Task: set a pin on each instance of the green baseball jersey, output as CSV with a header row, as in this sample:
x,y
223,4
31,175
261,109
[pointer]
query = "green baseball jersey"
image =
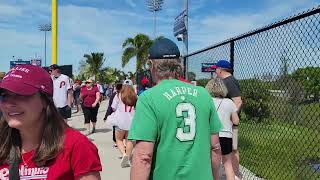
x,y
179,118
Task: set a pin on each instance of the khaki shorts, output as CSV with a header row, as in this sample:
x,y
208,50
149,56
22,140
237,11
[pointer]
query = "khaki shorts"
x,y
235,134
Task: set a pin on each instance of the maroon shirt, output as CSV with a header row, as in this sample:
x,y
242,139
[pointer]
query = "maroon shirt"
x,y
88,96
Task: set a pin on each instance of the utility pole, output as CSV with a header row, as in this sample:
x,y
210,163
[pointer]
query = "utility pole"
x,y
54,31
186,36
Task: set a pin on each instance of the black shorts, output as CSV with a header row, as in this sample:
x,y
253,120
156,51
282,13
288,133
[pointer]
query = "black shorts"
x,y
90,114
226,145
65,112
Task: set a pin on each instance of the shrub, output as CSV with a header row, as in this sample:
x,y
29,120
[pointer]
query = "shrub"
x,y
255,95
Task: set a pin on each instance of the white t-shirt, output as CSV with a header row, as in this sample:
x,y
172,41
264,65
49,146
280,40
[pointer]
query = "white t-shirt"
x,y
123,114
61,85
225,107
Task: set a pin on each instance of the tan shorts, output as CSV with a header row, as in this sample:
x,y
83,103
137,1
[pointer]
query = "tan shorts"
x,y
235,134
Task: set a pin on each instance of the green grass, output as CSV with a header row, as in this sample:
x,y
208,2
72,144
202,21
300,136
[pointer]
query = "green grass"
x,y
279,150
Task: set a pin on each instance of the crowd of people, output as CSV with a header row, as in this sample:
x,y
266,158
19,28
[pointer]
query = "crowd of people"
x,y
173,130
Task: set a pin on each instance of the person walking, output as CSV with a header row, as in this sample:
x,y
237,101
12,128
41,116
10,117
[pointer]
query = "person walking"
x,y
227,112
110,110
90,97
144,85
224,70
36,142
62,92
76,94
175,124
123,106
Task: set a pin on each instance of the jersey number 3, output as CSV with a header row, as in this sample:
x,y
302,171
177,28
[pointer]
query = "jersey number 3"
x,y
189,120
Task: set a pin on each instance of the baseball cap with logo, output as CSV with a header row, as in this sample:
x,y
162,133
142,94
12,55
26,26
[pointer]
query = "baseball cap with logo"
x,y
164,48
27,80
224,64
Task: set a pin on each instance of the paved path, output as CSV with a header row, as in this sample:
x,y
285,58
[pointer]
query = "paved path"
x,y
109,156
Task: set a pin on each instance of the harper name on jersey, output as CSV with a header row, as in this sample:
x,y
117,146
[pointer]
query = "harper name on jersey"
x,y
180,91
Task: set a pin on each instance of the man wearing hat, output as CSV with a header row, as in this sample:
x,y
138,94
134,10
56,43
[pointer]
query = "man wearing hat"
x,y
62,91
224,71
174,123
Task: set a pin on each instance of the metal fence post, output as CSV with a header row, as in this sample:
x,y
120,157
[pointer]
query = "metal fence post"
x,y
232,54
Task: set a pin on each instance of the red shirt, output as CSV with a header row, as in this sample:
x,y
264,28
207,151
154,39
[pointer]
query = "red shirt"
x,y
89,96
79,156
184,80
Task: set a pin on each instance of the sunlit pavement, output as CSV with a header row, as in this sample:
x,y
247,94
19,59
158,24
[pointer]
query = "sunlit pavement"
x,y
109,156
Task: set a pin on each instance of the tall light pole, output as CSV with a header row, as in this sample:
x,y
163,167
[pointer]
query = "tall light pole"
x,y
45,28
54,21
186,38
154,6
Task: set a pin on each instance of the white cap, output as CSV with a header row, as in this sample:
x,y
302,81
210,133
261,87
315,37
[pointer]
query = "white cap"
x,y
128,82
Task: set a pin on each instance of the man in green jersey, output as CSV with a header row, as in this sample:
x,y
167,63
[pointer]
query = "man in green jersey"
x,y
175,124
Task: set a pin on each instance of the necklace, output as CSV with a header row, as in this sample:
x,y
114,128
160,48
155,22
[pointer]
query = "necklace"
x,y
25,163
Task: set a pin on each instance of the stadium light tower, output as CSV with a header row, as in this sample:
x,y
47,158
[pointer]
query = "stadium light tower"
x,y
154,6
45,28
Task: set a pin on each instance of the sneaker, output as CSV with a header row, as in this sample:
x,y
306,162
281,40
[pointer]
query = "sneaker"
x,y
125,162
93,130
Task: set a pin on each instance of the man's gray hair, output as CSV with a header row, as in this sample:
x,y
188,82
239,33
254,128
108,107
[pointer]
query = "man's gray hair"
x,y
168,68
217,88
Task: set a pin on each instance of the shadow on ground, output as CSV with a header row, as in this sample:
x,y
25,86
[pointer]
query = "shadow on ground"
x,y
105,130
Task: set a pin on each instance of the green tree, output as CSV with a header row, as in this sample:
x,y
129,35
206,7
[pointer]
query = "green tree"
x,y
255,95
202,82
309,78
137,47
94,63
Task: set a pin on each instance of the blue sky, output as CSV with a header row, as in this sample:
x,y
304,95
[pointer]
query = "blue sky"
x,y
87,26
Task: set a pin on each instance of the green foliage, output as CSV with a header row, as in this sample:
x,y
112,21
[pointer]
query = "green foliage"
x,y
92,65
309,77
279,150
202,82
136,47
255,95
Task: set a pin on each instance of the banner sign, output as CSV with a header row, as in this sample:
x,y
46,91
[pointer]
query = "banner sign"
x,y
207,67
179,24
14,63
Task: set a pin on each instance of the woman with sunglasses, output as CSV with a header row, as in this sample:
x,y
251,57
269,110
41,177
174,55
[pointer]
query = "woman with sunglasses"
x,y
90,96
36,143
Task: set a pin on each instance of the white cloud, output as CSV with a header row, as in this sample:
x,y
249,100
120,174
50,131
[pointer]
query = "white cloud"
x,y
9,11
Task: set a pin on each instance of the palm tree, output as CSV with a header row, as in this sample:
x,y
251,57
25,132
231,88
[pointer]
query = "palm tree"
x,y
137,47
94,63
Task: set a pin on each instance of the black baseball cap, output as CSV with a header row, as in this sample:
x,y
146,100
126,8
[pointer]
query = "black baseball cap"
x,y
53,67
164,49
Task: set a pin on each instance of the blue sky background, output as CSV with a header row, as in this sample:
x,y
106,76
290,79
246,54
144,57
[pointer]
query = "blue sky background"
x,y
87,26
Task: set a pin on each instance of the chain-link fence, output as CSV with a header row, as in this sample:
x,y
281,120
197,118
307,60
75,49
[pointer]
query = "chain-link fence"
x,y
278,68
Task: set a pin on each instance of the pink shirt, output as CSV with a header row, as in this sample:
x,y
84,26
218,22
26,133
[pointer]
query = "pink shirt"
x,y
79,156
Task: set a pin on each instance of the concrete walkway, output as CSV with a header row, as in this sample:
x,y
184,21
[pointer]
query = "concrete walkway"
x,y
109,156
